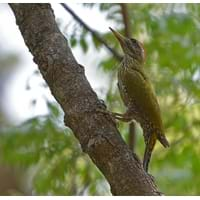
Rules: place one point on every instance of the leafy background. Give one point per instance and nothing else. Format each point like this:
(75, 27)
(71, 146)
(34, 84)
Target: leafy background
(48, 158)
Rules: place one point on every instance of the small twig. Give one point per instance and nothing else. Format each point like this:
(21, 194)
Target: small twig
(126, 19)
(93, 32)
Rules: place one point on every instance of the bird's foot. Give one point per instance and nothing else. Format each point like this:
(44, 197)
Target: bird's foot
(122, 117)
(103, 109)
(108, 113)
(114, 116)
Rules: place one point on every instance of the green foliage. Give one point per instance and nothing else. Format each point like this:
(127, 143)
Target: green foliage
(170, 33)
(60, 167)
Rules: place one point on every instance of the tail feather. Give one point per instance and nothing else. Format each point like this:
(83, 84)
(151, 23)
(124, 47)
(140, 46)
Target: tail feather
(148, 151)
(150, 140)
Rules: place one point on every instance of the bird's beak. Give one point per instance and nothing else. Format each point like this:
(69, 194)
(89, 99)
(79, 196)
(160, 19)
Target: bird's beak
(119, 37)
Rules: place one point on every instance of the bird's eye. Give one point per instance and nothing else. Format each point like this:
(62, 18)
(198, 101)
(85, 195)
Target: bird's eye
(135, 43)
(133, 40)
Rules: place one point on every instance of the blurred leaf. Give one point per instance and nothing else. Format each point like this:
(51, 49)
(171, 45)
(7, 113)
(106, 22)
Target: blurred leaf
(84, 44)
(73, 42)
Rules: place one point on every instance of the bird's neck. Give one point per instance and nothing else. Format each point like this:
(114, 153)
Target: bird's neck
(130, 62)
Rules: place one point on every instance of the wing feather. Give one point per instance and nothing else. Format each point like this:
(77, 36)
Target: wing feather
(142, 97)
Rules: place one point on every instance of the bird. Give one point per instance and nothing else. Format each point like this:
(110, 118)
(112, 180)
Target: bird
(138, 95)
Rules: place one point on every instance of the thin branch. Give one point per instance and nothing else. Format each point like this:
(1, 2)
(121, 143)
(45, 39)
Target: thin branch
(93, 32)
(126, 19)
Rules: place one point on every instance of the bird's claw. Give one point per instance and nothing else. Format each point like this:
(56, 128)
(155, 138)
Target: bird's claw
(106, 112)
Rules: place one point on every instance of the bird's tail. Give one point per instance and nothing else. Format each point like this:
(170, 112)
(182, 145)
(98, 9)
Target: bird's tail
(150, 143)
(148, 151)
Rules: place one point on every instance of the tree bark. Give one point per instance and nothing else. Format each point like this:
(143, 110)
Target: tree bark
(96, 132)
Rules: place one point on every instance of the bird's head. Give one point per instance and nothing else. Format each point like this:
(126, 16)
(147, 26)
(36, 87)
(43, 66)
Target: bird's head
(131, 46)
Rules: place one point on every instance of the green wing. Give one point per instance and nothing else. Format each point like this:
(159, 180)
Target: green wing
(141, 97)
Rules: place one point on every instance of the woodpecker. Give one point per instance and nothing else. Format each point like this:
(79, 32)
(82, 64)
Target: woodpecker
(138, 95)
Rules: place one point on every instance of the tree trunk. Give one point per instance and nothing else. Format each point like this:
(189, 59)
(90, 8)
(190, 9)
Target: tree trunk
(96, 132)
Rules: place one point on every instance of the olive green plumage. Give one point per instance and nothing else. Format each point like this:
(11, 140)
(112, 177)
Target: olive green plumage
(138, 95)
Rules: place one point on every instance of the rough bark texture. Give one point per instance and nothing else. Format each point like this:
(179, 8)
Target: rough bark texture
(95, 131)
